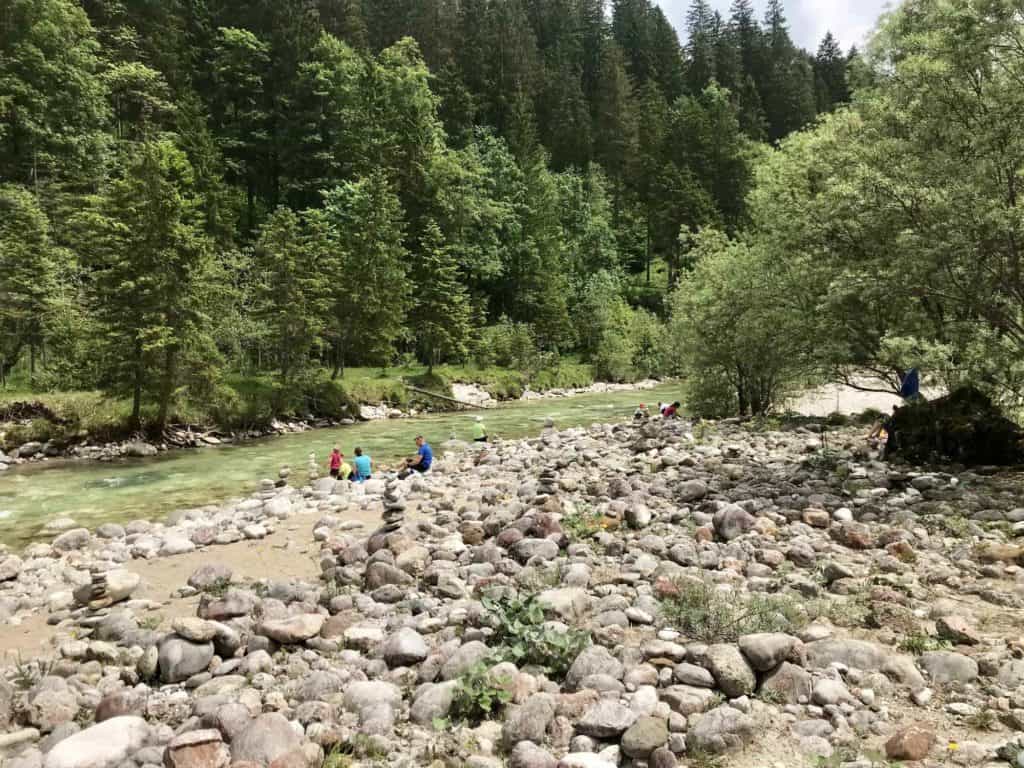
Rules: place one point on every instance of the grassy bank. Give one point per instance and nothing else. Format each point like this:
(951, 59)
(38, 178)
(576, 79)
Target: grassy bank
(252, 402)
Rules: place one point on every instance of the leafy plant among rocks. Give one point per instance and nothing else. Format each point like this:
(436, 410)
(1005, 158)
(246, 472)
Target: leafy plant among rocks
(920, 642)
(581, 525)
(479, 695)
(525, 639)
(701, 612)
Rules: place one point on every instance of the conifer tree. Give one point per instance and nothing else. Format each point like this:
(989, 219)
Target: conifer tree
(439, 318)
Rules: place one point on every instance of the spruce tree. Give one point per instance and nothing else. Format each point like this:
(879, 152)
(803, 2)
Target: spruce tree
(439, 318)
(27, 277)
(370, 294)
(148, 260)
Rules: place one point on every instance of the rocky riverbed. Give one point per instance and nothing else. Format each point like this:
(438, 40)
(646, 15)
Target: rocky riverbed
(615, 596)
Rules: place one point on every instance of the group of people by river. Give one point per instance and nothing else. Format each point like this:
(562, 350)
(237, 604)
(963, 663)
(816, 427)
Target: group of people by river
(361, 468)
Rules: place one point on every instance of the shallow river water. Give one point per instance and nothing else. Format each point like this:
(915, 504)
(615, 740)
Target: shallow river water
(93, 492)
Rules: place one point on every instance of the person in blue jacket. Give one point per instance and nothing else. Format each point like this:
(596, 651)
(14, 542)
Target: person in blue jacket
(421, 461)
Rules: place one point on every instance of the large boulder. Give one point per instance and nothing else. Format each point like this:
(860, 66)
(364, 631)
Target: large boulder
(529, 722)
(264, 740)
(948, 667)
(105, 745)
(606, 719)
(198, 749)
(720, 730)
(644, 736)
(731, 521)
(766, 650)
(10, 567)
(593, 660)
(294, 629)
(964, 426)
(731, 671)
(405, 648)
(180, 659)
(51, 702)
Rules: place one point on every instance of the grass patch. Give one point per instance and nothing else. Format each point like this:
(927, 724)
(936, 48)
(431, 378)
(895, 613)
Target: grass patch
(701, 612)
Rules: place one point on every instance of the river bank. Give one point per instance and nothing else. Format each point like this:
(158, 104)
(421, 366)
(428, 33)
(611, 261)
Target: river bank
(93, 493)
(620, 594)
(176, 437)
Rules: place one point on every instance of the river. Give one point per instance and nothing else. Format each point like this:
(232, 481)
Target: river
(93, 493)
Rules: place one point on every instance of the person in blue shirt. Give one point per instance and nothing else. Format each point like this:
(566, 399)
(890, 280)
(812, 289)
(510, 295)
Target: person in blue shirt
(363, 468)
(421, 461)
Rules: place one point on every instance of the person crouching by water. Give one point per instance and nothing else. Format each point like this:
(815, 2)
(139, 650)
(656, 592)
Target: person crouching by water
(641, 414)
(421, 461)
(672, 411)
(479, 430)
(363, 467)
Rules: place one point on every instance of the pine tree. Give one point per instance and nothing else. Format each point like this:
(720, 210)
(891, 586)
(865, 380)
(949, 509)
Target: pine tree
(440, 313)
(27, 277)
(700, 48)
(830, 75)
(52, 105)
(370, 293)
(292, 263)
(148, 260)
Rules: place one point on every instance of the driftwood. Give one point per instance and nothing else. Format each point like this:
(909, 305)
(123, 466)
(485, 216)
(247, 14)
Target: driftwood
(446, 398)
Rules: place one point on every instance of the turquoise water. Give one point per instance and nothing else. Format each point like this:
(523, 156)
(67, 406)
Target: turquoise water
(95, 492)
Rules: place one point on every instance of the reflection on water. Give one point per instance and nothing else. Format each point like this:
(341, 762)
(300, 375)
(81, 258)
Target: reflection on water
(93, 493)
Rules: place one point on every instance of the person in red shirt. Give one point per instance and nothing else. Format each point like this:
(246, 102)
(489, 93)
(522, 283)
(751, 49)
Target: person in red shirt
(673, 410)
(336, 457)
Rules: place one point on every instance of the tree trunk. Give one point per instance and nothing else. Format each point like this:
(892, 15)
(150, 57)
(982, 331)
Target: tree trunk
(137, 388)
(32, 363)
(167, 385)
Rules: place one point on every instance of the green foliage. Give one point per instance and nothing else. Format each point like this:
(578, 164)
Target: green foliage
(920, 642)
(223, 191)
(732, 335)
(291, 292)
(149, 262)
(582, 524)
(440, 315)
(479, 695)
(369, 288)
(700, 611)
(28, 276)
(525, 639)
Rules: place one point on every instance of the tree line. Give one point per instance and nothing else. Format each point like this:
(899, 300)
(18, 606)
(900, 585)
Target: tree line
(887, 237)
(195, 189)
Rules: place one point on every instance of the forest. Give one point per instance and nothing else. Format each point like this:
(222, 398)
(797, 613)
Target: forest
(198, 194)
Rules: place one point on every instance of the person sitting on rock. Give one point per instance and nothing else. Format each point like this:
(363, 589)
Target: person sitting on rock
(363, 467)
(421, 461)
(479, 430)
(641, 414)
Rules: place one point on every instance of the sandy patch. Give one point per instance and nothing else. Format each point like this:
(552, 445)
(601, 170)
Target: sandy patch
(288, 553)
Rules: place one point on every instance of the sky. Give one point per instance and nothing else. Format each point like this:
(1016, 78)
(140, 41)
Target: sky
(850, 21)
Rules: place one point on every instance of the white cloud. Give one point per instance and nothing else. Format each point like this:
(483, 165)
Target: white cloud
(851, 22)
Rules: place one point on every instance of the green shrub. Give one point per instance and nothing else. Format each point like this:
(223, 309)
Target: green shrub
(701, 612)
